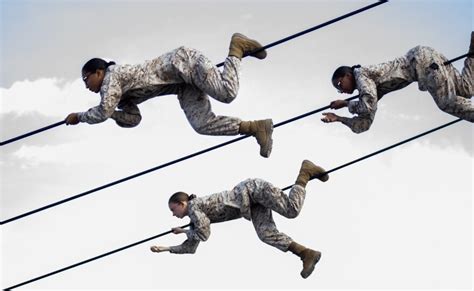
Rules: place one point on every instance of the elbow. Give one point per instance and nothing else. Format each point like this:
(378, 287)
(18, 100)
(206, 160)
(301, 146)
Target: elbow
(361, 128)
(192, 250)
(132, 122)
(204, 237)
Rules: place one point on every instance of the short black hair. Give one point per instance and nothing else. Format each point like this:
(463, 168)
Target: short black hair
(95, 64)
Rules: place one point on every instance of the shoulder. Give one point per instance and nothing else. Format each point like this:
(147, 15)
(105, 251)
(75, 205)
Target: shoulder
(197, 210)
(194, 205)
(362, 73)
(121, 75)
(122, 70)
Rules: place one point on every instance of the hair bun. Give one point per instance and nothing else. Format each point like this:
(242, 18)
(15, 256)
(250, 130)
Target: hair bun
(355, 67)
(111, 63)
(192, 196)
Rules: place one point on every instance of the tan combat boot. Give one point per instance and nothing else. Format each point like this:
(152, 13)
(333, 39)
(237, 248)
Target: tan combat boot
(309, 257)
(262, 130)
(240, 45)
(308, 172)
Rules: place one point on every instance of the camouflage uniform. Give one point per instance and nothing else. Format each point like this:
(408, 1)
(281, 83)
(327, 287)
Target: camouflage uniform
(450, 90)
(183, 71)
(253, 199)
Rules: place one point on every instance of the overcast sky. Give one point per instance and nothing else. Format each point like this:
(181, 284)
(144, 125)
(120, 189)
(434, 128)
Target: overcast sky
(400, 220)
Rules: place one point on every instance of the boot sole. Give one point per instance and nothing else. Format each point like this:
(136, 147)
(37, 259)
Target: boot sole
(268, 128)
(322, 178)
(306, 275)
(259, 55)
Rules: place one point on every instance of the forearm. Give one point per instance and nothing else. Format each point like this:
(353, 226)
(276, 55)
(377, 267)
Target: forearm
(356, 124)
(187, 247)
(94, 115)
(367, 104)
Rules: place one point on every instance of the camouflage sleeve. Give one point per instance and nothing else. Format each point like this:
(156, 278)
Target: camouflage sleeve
(128, 116)
(201, 229)
(111, 93)
(187, 247)
(357, 124)
(367, 103)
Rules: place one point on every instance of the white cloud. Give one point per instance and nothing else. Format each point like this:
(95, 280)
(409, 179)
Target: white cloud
(369, 220)
(48, 96)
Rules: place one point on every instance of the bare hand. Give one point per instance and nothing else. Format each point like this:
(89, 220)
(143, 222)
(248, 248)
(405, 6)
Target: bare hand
(177, 230)
(337, 104)
(72, 119)
(159, 249)
(329, 117)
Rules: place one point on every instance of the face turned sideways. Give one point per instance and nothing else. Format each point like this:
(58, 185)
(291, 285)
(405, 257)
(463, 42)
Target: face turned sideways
(179, 209)
(345, 84)
(93, 81)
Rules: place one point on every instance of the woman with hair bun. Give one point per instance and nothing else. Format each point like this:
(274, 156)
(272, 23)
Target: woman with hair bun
(253, 199)
(451, 90)
(184, 72)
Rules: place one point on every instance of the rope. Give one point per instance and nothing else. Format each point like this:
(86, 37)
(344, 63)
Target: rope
(165, 233)
(32, 133)
(220, 64)
(158, 167)
(91, 259)
(174, 161)
(385, 149)
(457, 58)
(313, 28)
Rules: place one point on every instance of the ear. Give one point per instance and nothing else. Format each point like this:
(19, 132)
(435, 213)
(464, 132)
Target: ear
(100, 73)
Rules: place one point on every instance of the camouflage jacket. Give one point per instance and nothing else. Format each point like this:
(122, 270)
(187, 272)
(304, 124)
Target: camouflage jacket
(373, 82)
(203, 211)
(125, 86)
(218, 207)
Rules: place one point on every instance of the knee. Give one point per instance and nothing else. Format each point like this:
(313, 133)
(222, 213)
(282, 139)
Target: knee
(230, 96)
(293, 212)
(229, 92)
(443, 105)
(200, 128)
(263, 237)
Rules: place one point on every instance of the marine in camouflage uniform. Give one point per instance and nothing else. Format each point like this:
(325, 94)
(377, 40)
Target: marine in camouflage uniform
(254, 200)
(183, 71)
(450, 90)
(193, 78)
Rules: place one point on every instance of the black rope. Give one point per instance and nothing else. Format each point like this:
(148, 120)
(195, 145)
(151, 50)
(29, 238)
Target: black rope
(313, 28)
(175, 161)
(91, 259)
(158, 167)
(32, 133)
(286, 188)
(220, 64)
(457, 58)
(385, 149)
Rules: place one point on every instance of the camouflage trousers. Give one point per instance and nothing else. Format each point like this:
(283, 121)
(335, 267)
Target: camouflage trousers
(450, 90)
(261, 198)
(201, 80)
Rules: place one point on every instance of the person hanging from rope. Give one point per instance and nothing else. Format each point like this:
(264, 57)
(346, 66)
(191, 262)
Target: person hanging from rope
(253, 199)
(185, 72)
(451, 91)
